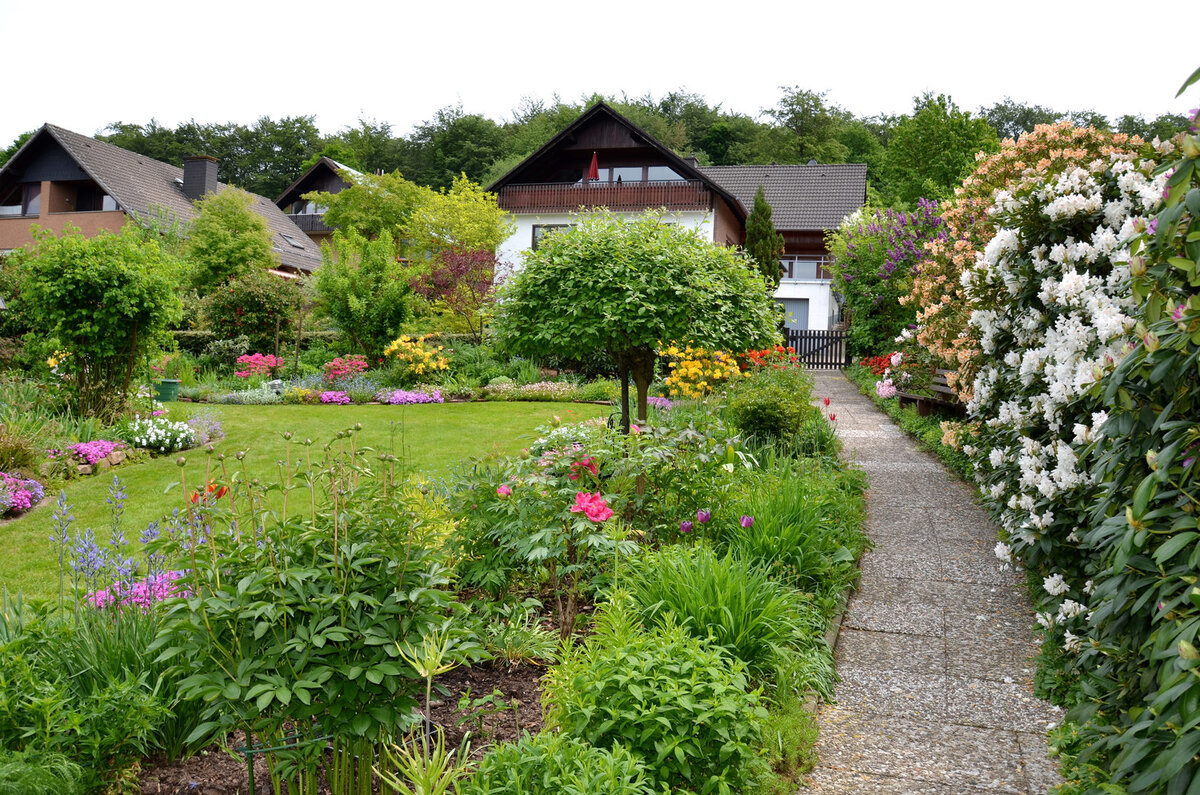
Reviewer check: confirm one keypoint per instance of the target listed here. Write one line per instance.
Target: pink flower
(503, 490)
(592, 505)
(588, 463)
(747, 521)
(702, 516)
(635, 429)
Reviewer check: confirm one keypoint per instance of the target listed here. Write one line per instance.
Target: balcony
(621, 197)
(310, 222)
(805, 269)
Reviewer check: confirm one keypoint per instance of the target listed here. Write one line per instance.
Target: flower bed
(18, 494)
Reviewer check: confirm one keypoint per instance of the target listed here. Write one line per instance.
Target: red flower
(211, 492)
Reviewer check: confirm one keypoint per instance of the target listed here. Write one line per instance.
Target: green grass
(429, 438)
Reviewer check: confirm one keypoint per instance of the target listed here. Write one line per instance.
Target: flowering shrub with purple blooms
(17, 494)
(397, 397)
(338, 398)
(875, 254)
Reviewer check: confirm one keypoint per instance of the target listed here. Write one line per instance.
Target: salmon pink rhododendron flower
(593, 506)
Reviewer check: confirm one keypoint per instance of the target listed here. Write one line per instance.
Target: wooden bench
(943, 397)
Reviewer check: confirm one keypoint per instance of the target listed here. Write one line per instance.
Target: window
(291, 241)
(541, 230)
(661, 174)
(90, 198)
(23, 200)
(302, 207)
(627, 174)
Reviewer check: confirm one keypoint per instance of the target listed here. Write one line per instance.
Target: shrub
(18, 495)
(728, 600)
(258, 364)
(683, 707)
(415, 359)
(159, 434)
(250, 397)
(223, 354)
(18, 449)
(556, 764)
(342, 368)
(874, 257)
(255, 305)
(108, 301)
(694, 372)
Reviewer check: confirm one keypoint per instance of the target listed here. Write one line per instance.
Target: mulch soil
(215, 771)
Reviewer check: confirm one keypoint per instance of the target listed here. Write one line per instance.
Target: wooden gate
(820, 350)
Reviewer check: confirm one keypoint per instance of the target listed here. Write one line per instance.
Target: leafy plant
(682, 706)
(730, 602)
(256, 305)
(551, 763)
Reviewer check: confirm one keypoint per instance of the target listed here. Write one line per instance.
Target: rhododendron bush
(936, 293)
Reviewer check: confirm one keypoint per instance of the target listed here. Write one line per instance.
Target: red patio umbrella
(594, 168)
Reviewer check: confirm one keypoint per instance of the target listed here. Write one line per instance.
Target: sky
(85, 65)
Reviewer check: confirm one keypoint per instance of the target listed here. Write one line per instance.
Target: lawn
(429, 438)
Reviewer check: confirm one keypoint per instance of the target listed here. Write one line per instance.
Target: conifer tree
(763, 243)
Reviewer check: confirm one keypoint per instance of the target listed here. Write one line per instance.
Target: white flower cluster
(160, 434)
(1053, 310)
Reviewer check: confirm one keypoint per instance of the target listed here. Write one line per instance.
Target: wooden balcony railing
(310, 222)
(630, 196)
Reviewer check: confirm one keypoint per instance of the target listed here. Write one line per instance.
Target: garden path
(935, 653)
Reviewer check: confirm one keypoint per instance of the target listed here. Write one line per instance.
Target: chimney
(692, 161)
(199, 176)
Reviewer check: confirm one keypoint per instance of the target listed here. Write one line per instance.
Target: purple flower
(747, 521)
(702, 516)
(685, 526)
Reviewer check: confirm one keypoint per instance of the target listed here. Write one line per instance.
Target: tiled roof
(802, 197)
(139, 183)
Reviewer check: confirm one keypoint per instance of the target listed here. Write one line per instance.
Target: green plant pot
(167, 390)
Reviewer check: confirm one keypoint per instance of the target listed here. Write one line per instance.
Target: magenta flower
(503, 490)
(702, 516)
(592, 505)
(747, 521)
(685, 526)
(588, 463)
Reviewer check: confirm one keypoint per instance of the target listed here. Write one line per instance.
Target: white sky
(83, 65)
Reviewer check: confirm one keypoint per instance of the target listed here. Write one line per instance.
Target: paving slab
(936, 651)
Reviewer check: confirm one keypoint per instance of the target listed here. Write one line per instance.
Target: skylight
(293, 242)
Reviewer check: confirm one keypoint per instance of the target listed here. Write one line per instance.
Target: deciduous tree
(227, 239)
(626, 286)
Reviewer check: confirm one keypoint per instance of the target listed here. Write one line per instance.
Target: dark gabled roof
(292, 193)
(802, 197)
(140, 184)
(677, 163)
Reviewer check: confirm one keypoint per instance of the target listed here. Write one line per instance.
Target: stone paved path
(935, 654)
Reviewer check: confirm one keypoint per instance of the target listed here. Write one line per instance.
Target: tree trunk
(625, 400)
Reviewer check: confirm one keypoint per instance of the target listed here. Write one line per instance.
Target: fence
(820, 350)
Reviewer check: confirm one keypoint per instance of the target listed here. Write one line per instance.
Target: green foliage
(770, 406)
(465, 217)
(683, 707)
(730, 602)
(807, 530)
(931, 151)
(551, 763)
(227, 240)
(1140, 685)
(875, 255)
(263, 158)
(623, 287)
(789, 737)
(363, 289)
(252, 306)
(12, 148)
(763, 243)
(373, 204)
(107, 300)
(36, 773)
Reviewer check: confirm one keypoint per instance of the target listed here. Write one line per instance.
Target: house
(604, 160)
(60, 178)
(324, 175)
(806, 202)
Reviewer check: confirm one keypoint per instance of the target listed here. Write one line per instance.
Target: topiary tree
(623, 287)
(763, 243)
(227, 239)
(363, 289)
(106, 300)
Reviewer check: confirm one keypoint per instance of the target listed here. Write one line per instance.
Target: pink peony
(593, 506)
(503, 490)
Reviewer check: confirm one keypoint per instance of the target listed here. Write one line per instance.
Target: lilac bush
(875, 254)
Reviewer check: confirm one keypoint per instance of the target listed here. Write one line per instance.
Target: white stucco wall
(511, 252)
(819, 297)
